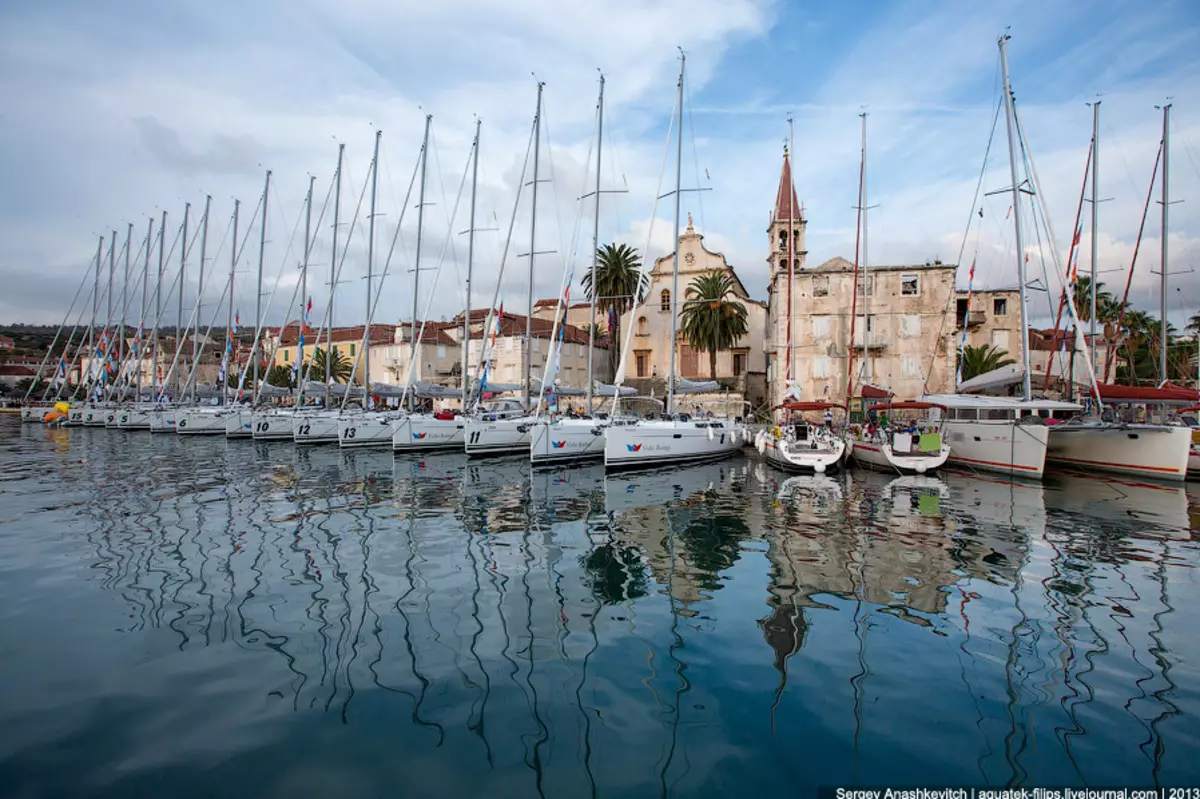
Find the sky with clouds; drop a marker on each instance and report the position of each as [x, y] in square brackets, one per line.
[116, 111]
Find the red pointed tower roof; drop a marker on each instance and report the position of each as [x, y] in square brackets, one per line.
[786, 205]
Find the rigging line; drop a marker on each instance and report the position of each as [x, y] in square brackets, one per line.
[1187, 147]
[484, 349]
[50, 349]
[1037, 190]
[554, 183]
[952, 300]
[437, 161]
[695, 155]
[568, 277]
[216, 310]
[643, 275]
[447, 244]
[375, 299]
[330, 347]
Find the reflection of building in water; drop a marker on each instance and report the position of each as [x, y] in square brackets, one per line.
[892, 545]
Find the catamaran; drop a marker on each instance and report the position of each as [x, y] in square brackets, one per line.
[675, 438]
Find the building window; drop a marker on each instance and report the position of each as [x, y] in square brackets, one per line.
[664, 300]
[641, 364]
[821, 286]
[866, 369]
[1000, 306]
[537, 344]
[783, 241]
[910, 285]
[866, 285]
[1000, 339]
[739, 363]
[351, 350]
[643, 327]
[910, 367]
[820, 327]
[285, 356]
[441, 350]
[820, 366]
[910, 326]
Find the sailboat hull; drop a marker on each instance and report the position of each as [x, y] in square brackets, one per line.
[880, 455]
[93, 416]
[998, 446]
[499, 437]
[657, 442]
[423, 432]
[271, 426]
[200, 421]
[162, 420]
[366, 430]
[315, 428]
[800, 457]
[566, 440]
[238, 424]
[133, 418]
[1160, 452]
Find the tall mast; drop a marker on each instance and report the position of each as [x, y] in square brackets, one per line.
[366, 347]
[537, 141]
[1095, 227]
[262, 247]
[1166, 204]
[1016, 203]
[91, 349]
[675, 240]
[179, 332]
[141, 334]
[413, 331]
[869, 292]
[466, 342]
[858, 229]
[595, 244]
[162, 240]
[333, 263]
[108, 316]
[233, 257]
[300, 370]
[791, 256]
[125, 303]
[200, 290]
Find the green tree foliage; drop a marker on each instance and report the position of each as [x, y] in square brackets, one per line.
[713, 319]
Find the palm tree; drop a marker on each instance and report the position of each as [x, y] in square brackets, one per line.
[1193, 325]
[281, 375]
[981, 360]
[1106, 304]
[618, 287]
[339, 367]
[710, 321]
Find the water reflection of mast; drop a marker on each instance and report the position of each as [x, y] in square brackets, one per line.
[1164, 666]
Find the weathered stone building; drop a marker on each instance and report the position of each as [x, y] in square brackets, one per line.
[903, 323]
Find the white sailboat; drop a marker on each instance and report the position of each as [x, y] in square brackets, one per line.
[135, 415]
[918, 448]
[677, 438]
[370, 427]
[239, 417]
[198, 420]
[554, 438]
[1156, 448]
[426, 431]
[503, 428]
[1003, 434]
[312, 425]
[797, 445]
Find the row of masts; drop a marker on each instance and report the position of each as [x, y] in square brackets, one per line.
[97, 352]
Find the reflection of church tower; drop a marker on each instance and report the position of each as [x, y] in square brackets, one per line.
[785, 236]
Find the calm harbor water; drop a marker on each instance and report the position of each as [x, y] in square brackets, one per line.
[203, 617]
